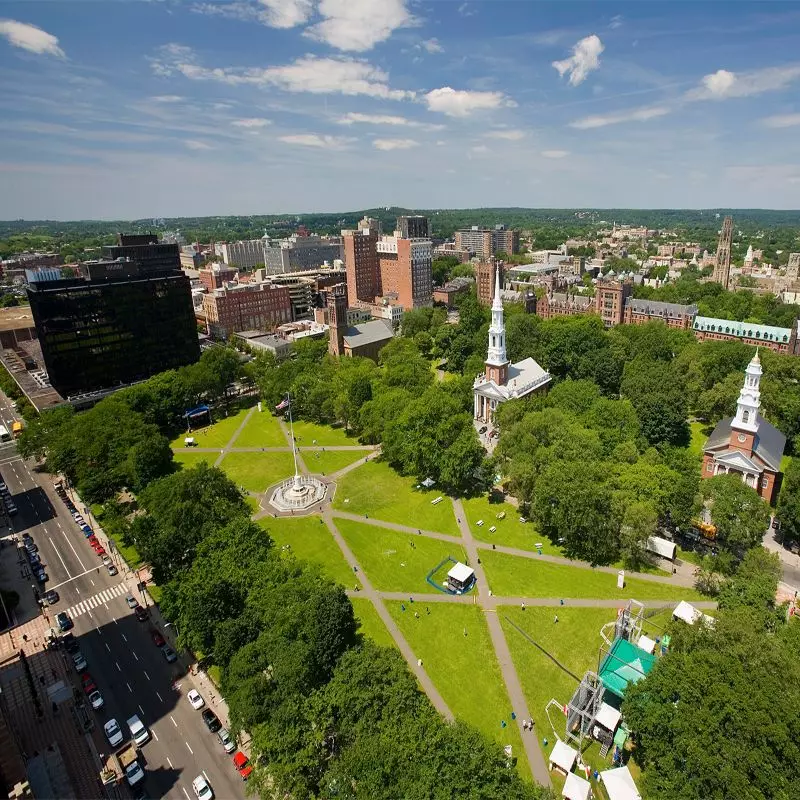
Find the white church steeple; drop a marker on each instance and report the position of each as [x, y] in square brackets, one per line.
[749, 403]
[497, 331]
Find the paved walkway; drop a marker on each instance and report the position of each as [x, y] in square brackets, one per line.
[228, 448]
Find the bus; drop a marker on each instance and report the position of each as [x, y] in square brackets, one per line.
[5, 436]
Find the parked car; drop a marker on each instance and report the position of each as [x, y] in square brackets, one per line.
[41, 575]
[30, 546]
[158, 639]
[113, 732]
[64, 621]
[70, 643]
[107, 561]
[79, 662]
[92, 540]
[51, 597]
[226, 740]
[88, 684]
[242, 764]
[134, 773]
[96, 699]
[202, 788]
[141, 613]
[195, 699]
[211, 720]
[131, 601]
[34, 560]
[170, 656]
[112, 570]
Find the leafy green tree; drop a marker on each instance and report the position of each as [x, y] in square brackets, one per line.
[700, 716]
[375, 414]
[788, 510]
[754, 586]
[639, 523]
[740, 515]
[720, 400]
[574, 396]
[404, 367]
[149, 459]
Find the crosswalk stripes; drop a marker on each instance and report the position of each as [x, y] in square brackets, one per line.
[97, 600]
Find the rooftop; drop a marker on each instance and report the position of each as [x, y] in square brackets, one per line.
[12, 319]
[747, 330]
[662, 309]
[367, 333]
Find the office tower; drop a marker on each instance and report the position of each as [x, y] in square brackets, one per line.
[415, 227]
[485, 280]
[122, 320]
[486, 242]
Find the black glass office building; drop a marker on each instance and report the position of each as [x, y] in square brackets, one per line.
[120, 322]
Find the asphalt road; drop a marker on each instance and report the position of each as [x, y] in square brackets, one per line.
[127, 667]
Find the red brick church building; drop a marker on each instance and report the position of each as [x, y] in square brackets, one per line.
[747, 444]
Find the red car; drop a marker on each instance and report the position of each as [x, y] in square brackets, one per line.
[92, 540]
[88, 683]
[242, 764]
[158, 639]
[100, 550]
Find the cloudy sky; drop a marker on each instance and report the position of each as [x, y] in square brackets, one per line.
[119, 109]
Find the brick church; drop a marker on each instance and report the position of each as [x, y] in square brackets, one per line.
[502, 380]
[747, 444]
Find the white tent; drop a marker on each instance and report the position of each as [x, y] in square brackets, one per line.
[662, 547]
[563, 757]
[647, 644]
[608, 717]
[461, 573]
[689, 614]
[576, 788]
[619, 784]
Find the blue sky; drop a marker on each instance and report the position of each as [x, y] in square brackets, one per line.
[137, 109]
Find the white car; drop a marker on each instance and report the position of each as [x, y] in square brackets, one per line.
[226, 740]
[134, 773]
[196, 699]
[113, 733]
[202, 789]
[96, 699]
[131, 601]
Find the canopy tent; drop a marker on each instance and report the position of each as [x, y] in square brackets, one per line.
[647, 644]
[689, 614]
[623, 664]
[460, 577]
[563, 757]
[619, 784]
[608, 717]
[428, 482]
[576, 788]
[662, 547]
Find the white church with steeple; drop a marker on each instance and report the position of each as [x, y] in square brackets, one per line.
[746, 444]
[502, 380]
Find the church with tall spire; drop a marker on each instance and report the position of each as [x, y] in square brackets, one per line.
[501, 380]
[746, 444]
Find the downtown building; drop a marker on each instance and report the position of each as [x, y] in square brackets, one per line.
[297, 253]
[246, 307]
[486, 242]
[382, 266]
[125, 318]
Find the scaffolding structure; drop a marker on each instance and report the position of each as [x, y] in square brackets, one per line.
[627, 625]
[582, 709]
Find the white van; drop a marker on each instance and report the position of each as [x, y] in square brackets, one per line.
[139, 733]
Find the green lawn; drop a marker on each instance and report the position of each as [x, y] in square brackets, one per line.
[128, 552]
[262, 430]
[390, 561]
[189, 460]
[325, 435]
[310, 540]
[510, 531]
[252, 504]
[700, 433]
[376, 489]
[575, 643]
[257, 471]
[331, 460]
[369, 623]
[216, 435]
[689, 555]
[463, 668]
[518, 576]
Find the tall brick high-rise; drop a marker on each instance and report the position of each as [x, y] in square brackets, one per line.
[485, 279]
[361, 264]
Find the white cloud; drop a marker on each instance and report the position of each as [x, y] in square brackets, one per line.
[358, 25]
[166, 98]
[637, 115]
[723, 84]
[555, 153]
[251, 123]
[466, 10]
[479, 148]
[585, 58]
[462, 103]
[616, 22]
[341, 75]
[432, 45]
[394, 144]
[194, 144]
[317, 140]
[782, 121]
[386, 119]
[30, 38]
[286, 13]
[512, 135]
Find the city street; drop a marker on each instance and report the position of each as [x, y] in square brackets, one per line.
[128, 668]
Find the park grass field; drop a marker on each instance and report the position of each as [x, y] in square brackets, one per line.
[575, 642]
[192, 459]
[261, 430]
[216, 435]
[252, 504]
[310, 540]
[700, 433]
[257, 471]
[463, 668]
[369, 623]
[515, 576]
[325, 435]
[376, 489]
[388, 558]
[331, 460]
[510, 531]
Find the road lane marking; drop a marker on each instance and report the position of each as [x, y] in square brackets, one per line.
[134, 655]
[73, 578]
[173, 720]
[189, 746]
[124, 637]
[58, 553]
[186, 793]
[146, 675]
[106, 606]
[129, 687]
[205, 775]
[141, 709]
[159, 697]
[91, 581]
[72, 547]
[119, 668]
[169, 761]
[107, 647]
[155, 735]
